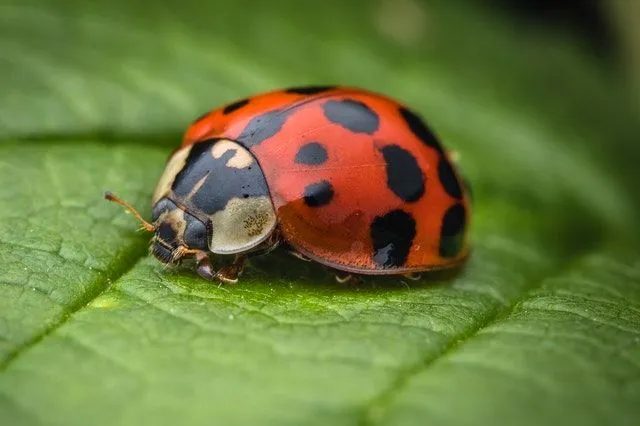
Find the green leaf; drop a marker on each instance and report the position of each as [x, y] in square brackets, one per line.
[542, 326]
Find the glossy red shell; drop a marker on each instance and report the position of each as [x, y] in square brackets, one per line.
[370, 223]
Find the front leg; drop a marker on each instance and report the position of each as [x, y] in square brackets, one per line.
[204, 268]
[230, 273]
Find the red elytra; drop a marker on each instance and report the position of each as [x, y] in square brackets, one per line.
[366, 186]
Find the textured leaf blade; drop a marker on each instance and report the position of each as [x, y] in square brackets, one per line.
[541, 326]
[568, 352]
[58, 244]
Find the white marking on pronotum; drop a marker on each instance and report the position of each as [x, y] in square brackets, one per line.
[175, 164]
[241, 158]
[197, 186]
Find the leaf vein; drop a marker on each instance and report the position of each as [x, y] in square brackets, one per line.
[376, 408]
[599, 321]
[122, 264]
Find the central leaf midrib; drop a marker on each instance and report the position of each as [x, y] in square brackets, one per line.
[122, 264]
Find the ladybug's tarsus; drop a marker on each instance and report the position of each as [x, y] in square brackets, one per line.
[229, 274]
[342, 278]
[413, 276]
[299, 255]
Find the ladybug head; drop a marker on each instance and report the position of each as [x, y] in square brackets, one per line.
[176, 232]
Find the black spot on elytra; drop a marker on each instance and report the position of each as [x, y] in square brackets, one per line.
[420, 129]
[234, 106]
[309, 90]
[318, 194]
[404, 176]
[222, 183]
[392, 236]
[312, 153]
[262, 127]
[352, 115]
[448, 178]
[452, 231]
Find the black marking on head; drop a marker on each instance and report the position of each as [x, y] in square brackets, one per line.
[452, 231]
[448, 178]
[264, 126]
[392, 236]
[312, 153]
[404, 176]
[162, 253]
[352, 115]
[222, 182]
[318, 194]
[167, 234]
[234, 106]
[309, 90]
[163, 205]
[420, 129]
[195, 233]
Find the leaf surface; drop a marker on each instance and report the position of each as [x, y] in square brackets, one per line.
[542, 326]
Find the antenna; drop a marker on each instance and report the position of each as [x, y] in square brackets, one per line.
[128, 207]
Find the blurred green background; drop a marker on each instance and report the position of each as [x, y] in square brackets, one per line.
[540, 98]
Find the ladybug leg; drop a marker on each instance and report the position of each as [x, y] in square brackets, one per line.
[413, 276]
[342, 277]
[229, 274]
[295, 253]
[204, 268]
[299, 255]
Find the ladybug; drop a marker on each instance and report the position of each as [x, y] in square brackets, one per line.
[345, 177]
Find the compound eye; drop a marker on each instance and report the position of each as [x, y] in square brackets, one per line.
[195, 233]
[164, 205]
